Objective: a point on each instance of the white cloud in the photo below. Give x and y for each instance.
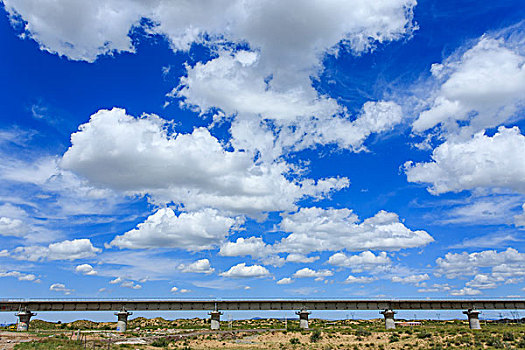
(184, 291)
(485, 86)
(258, 249)
(289, 49)
(138, 156)
(485, 281)
(489, 268)
(307, 273)
(285, 280)
(65, 250)
(412, 279)
(519, 220)
(116, 280)
(300, 119)
(253, 246)
(479, 162)
(233, 83)
(299, 258)
(19, 275)
(464, 264)
(85, 30)
(435, 288)
(364, 261)
(199, 266)
(12, 227)
(86, 269)
(131, 285)
(317, 229)
(174, 289)
(192, 231)
(78, 30)
(243, 271)
(359, 279)
(465, 291)
(59, 287)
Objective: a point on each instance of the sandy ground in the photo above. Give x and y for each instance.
(8, 340)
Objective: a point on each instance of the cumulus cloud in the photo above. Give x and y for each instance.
(19, 275)
(299, 117)
(485, 281)
(232, 83)
(252, 246)
(412, 279)
(489, 268)
(130, 285)
(465, 291)
(359, 279)
(435, 288)
(479, 162)
(285, 280)
(271, 138)
(271, 79)
(199, 266)
(364, 261)
(294, 41)
(308, 273)
(86, 269)
(12, 227)
(138, 156)
(464, 264)
(482, 88)
(116, 280)
(65, 250)
(61, 288)
(246, 271)
(317, 229)
(299, 258)
(164, 229)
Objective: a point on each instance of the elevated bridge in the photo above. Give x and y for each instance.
(26, 307)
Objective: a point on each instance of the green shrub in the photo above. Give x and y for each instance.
(363, 333)
(161, 342)
(424, 335)
(393, 338)
(315, 336)
(294, 341)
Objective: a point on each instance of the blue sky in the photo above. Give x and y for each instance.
(262, 149)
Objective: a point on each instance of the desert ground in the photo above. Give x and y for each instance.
(186, 334)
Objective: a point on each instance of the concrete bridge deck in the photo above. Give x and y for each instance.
(25, 307)
(255, 304)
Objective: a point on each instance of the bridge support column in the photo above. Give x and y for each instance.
(23, 320)
(122, 320)
(303, 318)
(215, 319)
(389, 319)
(473, 318)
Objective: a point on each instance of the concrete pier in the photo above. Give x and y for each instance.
(303, 318)
(23, 320)
(389, 319)
(122, 319)
(473, 318)
(215, 319)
